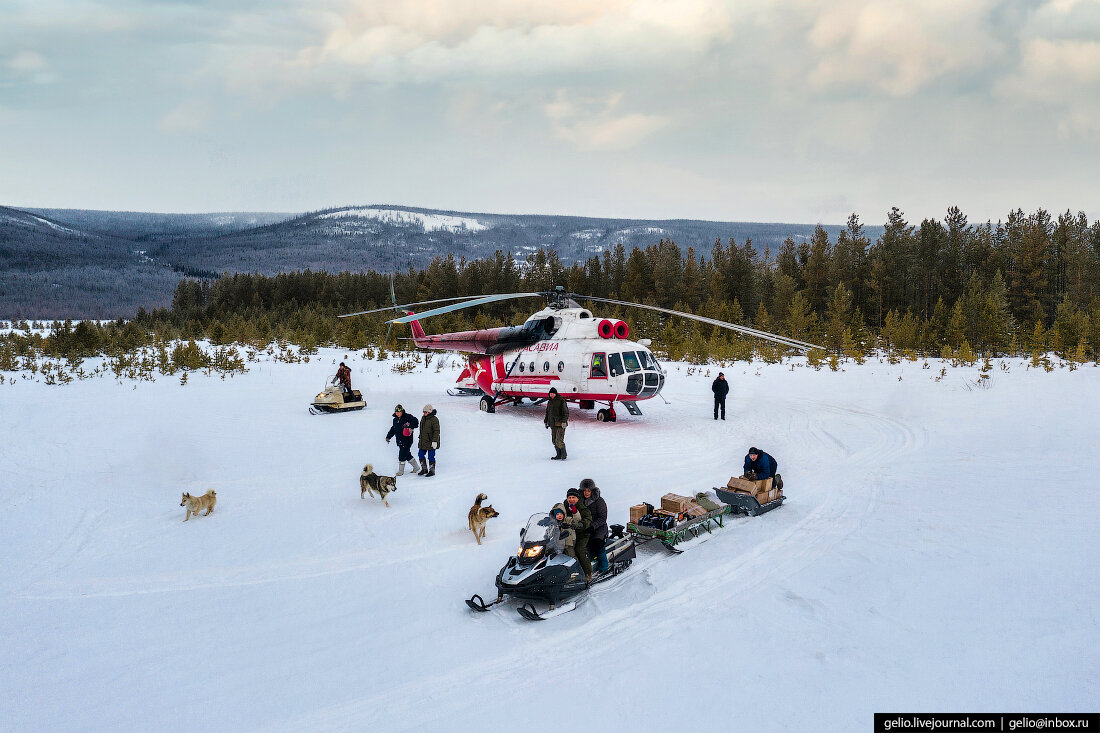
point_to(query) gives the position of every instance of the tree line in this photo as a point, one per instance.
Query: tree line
(943, 287)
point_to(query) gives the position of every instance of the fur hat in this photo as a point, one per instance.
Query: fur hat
(574, 492)
(587, 484)
(553, 390)
(427, 408)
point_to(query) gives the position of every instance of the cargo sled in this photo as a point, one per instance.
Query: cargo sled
(752, 497)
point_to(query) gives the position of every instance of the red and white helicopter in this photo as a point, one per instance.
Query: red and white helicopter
(588, 359)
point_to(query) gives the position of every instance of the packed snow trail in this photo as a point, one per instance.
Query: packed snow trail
(925, 559)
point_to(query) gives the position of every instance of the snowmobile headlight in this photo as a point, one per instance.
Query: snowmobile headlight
(532, 551)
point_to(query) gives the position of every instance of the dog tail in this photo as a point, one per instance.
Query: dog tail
(368, 468)
(480, 498)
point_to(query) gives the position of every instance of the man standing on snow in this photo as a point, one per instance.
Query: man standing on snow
(720, 388)
(403, 426)
(557, 418)
(429, 440)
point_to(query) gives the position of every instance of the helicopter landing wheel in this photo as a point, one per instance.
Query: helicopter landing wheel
(604, 415)
(487, 404)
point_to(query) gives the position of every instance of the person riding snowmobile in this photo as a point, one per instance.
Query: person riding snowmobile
(343, 376)
(598, 537)
(567, 538)
(579, 518)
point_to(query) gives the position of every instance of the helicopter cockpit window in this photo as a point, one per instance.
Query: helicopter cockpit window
(615, 362)
(599, 367)
(643, 358)
(631, 361)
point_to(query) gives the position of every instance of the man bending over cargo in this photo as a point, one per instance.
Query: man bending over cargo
(759, 466)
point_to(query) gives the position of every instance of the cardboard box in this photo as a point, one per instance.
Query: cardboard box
(675, 503)
(637, 512)
(762, 487)
(695, 511)
(740, 484)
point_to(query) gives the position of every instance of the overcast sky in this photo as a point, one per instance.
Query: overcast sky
(760, 110)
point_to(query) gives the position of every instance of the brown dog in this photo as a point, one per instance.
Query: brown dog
(479, 516)
(196, 503)
(371, 482)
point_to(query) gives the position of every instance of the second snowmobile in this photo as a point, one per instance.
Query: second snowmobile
(541, 571)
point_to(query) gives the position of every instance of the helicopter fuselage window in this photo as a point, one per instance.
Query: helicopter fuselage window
(615, 363)
(521, 366)
(546, 366)
(631, 361)
(561, 366)
(532, 367)
(599, 367)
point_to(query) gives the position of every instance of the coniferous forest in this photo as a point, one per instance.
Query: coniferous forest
(940, 287)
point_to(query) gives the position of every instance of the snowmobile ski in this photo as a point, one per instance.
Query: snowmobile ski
(529, 612)
(477, 603)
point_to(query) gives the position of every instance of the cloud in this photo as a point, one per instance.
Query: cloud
(191, 115)
(597, 124)
(1063, 77)
(899, 47)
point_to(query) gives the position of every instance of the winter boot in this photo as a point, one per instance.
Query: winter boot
(431, 471)
(400, 468)
(557, 454)
(423, 469)
(564, 454)
(604, 565)
(415, 466)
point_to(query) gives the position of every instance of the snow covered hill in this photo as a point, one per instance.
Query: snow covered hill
(937, 553)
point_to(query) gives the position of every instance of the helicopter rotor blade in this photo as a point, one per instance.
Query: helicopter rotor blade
(756, 333)
(467, 304)
(399, 307)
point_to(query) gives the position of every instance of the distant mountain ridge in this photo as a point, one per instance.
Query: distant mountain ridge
(74, 263)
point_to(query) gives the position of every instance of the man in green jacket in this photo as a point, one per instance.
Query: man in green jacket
(557, 418)
(429, 441)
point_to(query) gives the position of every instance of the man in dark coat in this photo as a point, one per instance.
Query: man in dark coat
(429, 440)
(759, 465)
(579, 519)
(343, 376)
(720, 388)
(597, 540)
(403, 426)
(557, 418)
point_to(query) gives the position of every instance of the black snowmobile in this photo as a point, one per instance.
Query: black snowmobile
(541, 571)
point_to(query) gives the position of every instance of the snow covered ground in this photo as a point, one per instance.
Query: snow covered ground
(938, 552)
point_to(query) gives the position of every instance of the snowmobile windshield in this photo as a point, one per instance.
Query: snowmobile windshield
(541, 530)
